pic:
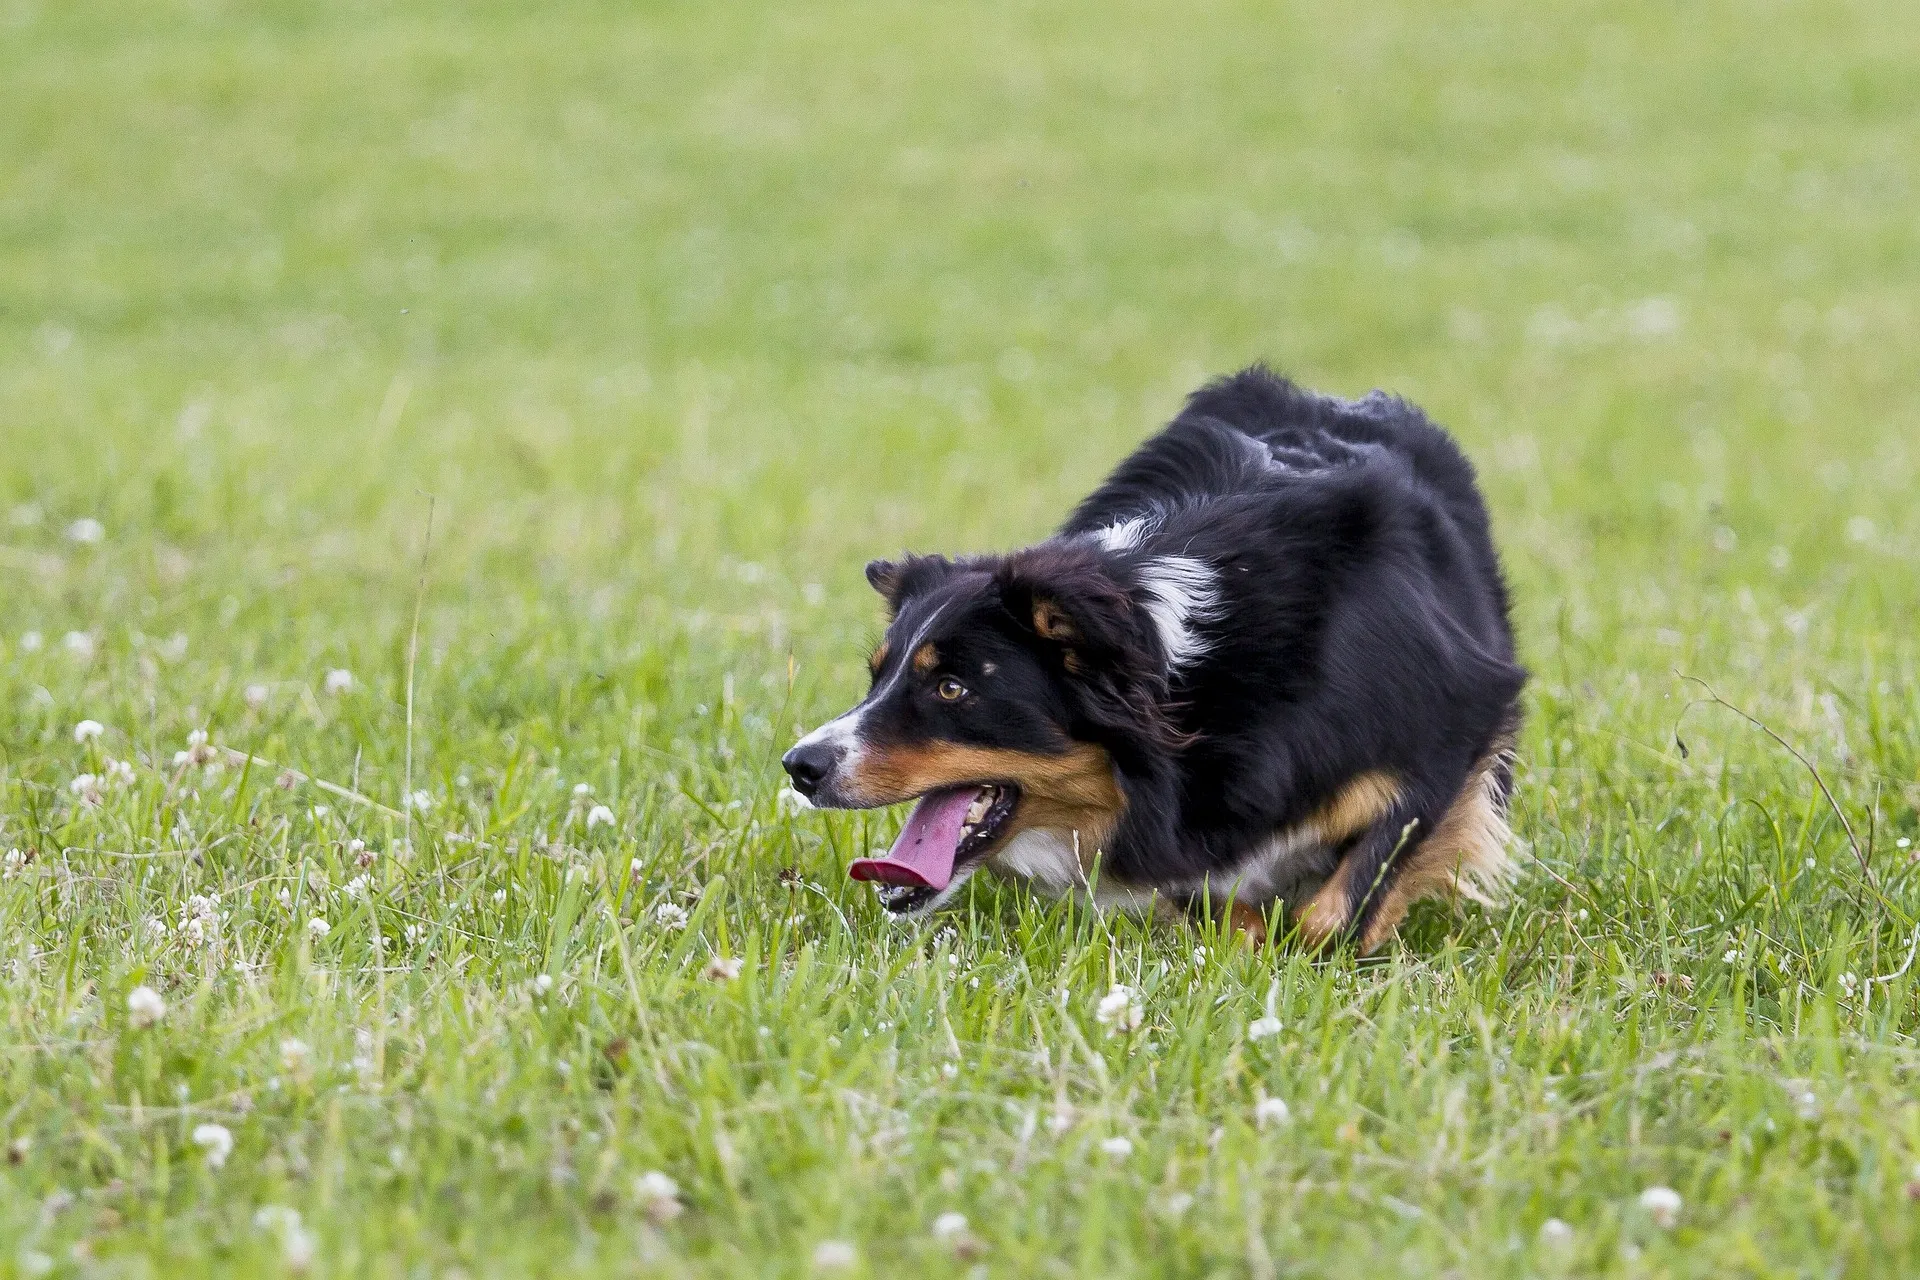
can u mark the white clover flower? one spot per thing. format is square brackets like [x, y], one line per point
[1732, 956]
[722, 969]
[542, 983]
[1119, 1010]
[1848, 982]
[1663, 1205]
[275, 1217]
[338, 680]
[599, 814]
[295, 1240]
[86, 531]
[86, 788]
[834, 1255]
[358, 887]
[15, 862]
[1271, 1111]
[659, 1196]
[318, 928]
[216, 1140]
[145, 1007]
[420, 802]
[1555, 1234]
[1117, 1147]
[1176, 1204]
[119, 773]
[362, 856]
[79, 644]
[1809, 1108]
[256, 695]
[294, 1056]
[31, 641]
[199, 750]
[298, 1248]
[88, 730]
[499, 897]
[668, 915]
[157, 929]
[949, 1225]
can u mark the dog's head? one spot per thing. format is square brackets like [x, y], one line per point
[1006, 696]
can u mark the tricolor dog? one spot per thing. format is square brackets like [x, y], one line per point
[1269, 660]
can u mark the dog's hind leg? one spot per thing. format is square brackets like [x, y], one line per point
[1362, 881]
[1403, 858]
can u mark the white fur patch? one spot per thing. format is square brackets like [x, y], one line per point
[1042, 857]
[1124, 535]
[1050, 865]
[842, 732]
[1279, 867]
[1180, 595]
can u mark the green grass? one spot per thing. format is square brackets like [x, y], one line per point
[669, 317]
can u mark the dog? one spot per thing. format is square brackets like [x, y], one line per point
[1269, 661]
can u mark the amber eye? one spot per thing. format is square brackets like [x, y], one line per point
[950, 690]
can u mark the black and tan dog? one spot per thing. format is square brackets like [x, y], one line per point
[1269, 659]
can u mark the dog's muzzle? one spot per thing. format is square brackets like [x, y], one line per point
[811, 764]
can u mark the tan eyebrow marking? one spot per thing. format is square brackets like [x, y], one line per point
[925, 658]
[878, 658]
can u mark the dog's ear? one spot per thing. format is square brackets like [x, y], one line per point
[883, 576]
[902, 579]
[1077, 611]
[1073, 607]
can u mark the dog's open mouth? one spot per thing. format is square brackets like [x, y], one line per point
[948, 830]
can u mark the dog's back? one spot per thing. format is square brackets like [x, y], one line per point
[1357, 628]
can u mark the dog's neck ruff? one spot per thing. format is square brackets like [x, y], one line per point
[1180, 591]
[1181, 595]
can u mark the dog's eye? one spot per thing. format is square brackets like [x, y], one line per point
[950, 690]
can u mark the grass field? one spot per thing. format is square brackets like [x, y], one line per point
[552, 370]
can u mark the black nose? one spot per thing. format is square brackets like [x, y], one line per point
[809, 764]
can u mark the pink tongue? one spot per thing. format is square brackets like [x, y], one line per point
[924, 853]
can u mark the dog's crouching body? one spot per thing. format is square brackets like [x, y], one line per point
[1268, 659]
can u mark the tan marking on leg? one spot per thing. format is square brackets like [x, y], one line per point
[1356, 806]
[1467, 856]
[1248, 922]
[1325, 915]
[1362, 801]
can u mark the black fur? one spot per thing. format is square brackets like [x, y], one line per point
[1359, 622]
